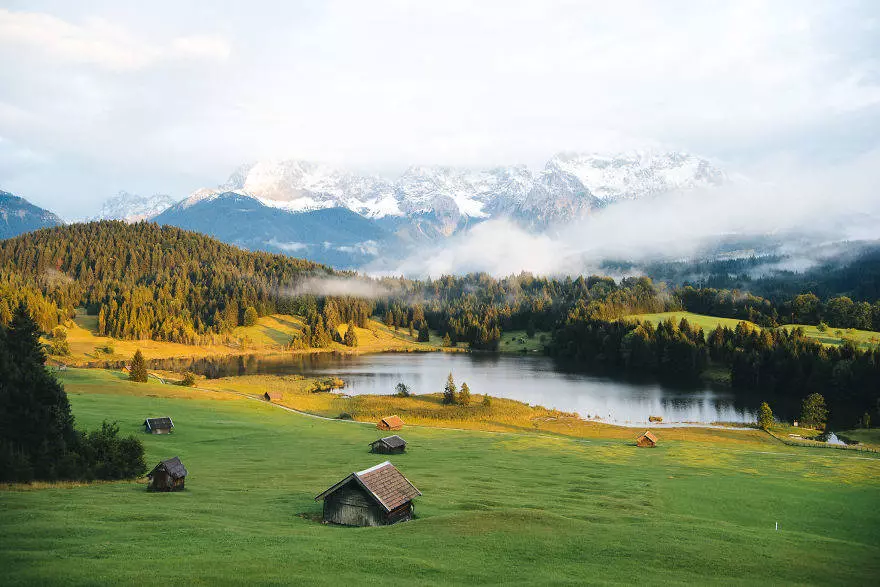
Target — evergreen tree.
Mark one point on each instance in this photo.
(449, 391)
(765, 416)
(138, 370)
(37, 438)
(487, 401)
(464, 396)
(402, 390)
(350, 338)
(424, 333)
(250, 316)
(447, 342)
(814, 413)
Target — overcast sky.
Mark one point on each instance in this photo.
(97, 97)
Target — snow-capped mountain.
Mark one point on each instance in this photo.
(568, 186)
(132, 207)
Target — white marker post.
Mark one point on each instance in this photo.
(777, 526)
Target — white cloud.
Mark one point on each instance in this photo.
(100, 42)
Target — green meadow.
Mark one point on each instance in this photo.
(864, 339)
(496, 507)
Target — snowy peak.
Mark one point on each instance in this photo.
(133, 208)
(635, 175)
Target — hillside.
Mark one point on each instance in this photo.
(18, 216)
(146, 281)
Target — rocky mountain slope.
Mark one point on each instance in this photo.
(18, 216)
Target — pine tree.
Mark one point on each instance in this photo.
(446, 340)
(250, 316)
(765, 416)
(449, 391)
(350, 338)
(424, 333)
(138, 371)
(464, 396)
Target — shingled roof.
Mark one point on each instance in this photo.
(391, 441)
(153, 423)
(172, 466)
(650, 436)
(392, 421)
(384, 483)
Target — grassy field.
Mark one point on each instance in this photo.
(517, 341)
(833, 336)
(271, 334)
(496, 507)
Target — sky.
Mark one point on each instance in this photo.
(166, 97)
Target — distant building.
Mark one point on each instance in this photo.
(390, 423)
(390, 445)
(272, 396)
(377, 496)
(158, 425)
(169, 475)
(647, 440)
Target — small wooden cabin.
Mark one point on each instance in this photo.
(158, 425)
(647, 440)
(272, 396)
(377, 496)
(169, 475)
(390, 445)
(390, 423)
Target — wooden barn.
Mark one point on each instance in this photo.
(158, 425)
(647, 440)
(390, 445)
(390, 423)
(272, 396)
(377, 496)
(169, 475)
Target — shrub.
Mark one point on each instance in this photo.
(402, 390)
(189, 379)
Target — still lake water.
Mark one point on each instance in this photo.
(536, 380)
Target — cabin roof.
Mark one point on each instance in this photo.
(172, 466)
(392, 421)
(273, 394)
(153, 423)
(384, 483)
(650, 436)
(390, 441)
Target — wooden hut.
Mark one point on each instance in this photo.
(272, 396)
(169, 475)
(158, 425)
(390, 423)
(390, 445)
(377, 496)
(647, 440)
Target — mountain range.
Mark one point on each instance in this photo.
(347, 219)
(17, 215)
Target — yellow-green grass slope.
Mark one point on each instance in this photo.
(271, 334)
(495, 508)
(832, 336)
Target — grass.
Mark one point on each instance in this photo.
(271, 334)
(866, 437)
(864, 339)
(496, 508)
(517, 341)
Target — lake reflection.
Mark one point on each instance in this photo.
(533, 379)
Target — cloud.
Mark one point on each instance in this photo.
(803, 210)
(100, 42)
(342, 286)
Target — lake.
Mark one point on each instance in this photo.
(536, 380)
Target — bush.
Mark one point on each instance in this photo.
(189, 379)
(402, 390)
(107, 456)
